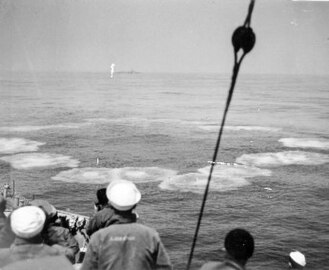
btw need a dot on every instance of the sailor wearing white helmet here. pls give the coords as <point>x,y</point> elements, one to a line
<point>296,260</point>
<point>103,216</point>
<point>27,224</point>
<point>6,235</point>
<point>57,236</point>
<point>125,244</point>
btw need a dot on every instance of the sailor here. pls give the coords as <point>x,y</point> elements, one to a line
<point>48,262</point>
<point>27,223</point>
<point>104,213</point>
<point>3,217</point>
<point>55,235</point>
<point>239,246</point>
<point>6,235</point>
<point>126,244</point>
<point>296,260</point>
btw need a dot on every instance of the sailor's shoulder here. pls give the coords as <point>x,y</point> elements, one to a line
<point>218,266</point>
<point>211,266</point>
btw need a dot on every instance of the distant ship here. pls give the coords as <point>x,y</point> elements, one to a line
<point>128,72</point>
<point>131,72</point>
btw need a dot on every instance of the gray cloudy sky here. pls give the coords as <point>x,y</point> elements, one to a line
<point>161,35</point>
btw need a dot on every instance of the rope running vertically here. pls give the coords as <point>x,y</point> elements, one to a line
<point>243,38</point>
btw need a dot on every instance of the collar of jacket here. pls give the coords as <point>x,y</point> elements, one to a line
<point>124,217</point>
<point>21,241</point>
<point>234,264</point>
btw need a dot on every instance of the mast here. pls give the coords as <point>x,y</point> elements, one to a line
<point>243,38</point>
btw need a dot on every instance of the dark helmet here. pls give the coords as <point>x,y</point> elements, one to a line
<point>101,196</point>
<point>239,243</point>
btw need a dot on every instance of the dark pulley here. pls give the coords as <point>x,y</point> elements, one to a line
<point>243,38</point>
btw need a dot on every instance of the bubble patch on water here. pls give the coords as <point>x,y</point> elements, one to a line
<point>224,178</point>
<point>283,158</point>
<point>91,175</point>
<point>235,171</point>
<point>196,183</point>
<point>305,143</point>
<point>45,127</point>
<point>137,121</point>
<point>204,125</point>
<point>17,145</point>
<point>143,121</point>
<point>39,160</point>
<point>215,128</point>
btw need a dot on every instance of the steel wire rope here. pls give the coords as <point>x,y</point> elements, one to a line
<point>242,38</point>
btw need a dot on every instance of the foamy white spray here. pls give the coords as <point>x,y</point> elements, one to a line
<point>145,121</point>
<point>39,160</point>
<point>283,158</point>
<point>215,128</point>
<point>17,145</point>
<point>112,70</point>
<point>235,171</point>
<point>45,127</point>
<point>91,175</point>
<point>305,143</point>
<point>224,178</point>
<point>196,182</point>
<point>205,125</point>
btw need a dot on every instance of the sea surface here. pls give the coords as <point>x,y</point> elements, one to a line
<point>160,130</point>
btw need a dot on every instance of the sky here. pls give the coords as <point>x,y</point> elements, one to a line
<point>162,35</point>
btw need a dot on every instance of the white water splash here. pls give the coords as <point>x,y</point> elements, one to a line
<point>112,70</point>
<point>196,182</point>
<point>17,145</point>
<point>225,177</point>
<point>240,128</point>
<point>39,160</point>
<point>283,158</point>
<point>45,127</point>
<point>204,125</point>
<point>305,143</point>
<point>91,175</point>
<point>235,171</point>
<point>143,121</point>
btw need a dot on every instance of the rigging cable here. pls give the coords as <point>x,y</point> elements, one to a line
<point>243,38</point>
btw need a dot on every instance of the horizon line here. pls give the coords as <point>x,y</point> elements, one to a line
<point>134,72</point>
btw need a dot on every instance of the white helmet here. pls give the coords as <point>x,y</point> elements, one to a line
<point>297,258</point>
<point>123,195</point>
<point>27,221</point>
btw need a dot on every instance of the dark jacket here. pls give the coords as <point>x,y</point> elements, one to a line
<point>48,263</point>
<point>3,219</point>
<point>7,236</point>
<point>23,249</point>
<point>100,220</point>
<point>126,245</point>
<point>226,265</point>
<point>61,238</point>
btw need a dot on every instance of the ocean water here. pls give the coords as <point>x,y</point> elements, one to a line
<point>159,130</point>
